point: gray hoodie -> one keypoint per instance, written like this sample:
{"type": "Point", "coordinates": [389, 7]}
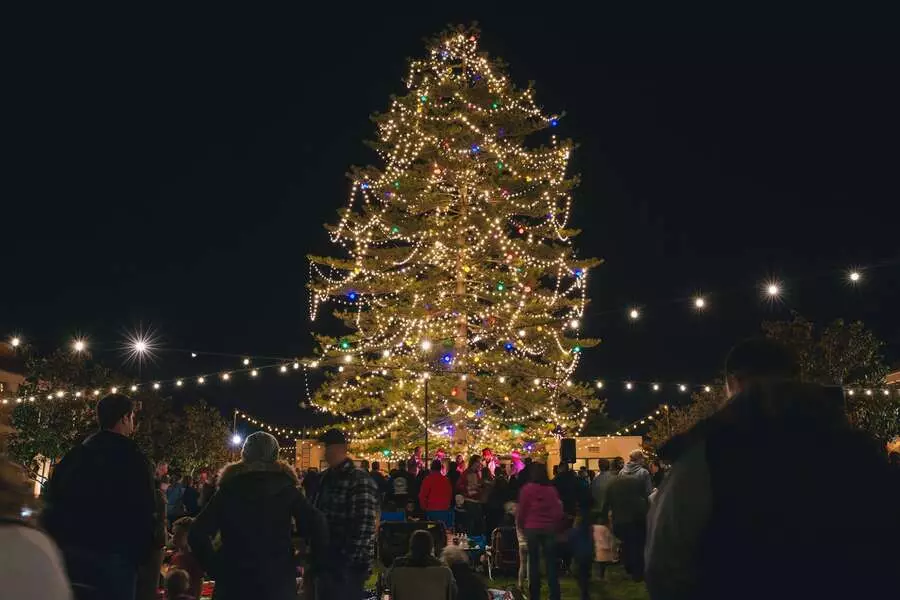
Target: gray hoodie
{"type": "Point", "coordinates": [636, 469]}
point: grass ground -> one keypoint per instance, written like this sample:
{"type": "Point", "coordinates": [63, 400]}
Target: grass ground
{"type": "Point", "coordinates": [616, 586]}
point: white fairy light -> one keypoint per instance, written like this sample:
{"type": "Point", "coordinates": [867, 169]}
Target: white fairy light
{"type": "Point", "coordinates": [634, 314]}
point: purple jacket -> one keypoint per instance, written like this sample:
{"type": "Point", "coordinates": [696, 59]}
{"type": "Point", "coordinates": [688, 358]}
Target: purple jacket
{"type": "Point", "coordinates": [539, 508]}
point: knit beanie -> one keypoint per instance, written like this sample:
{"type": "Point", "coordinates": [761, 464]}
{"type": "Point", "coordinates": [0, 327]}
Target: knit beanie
{"type": "Point", "coordinates": [260, 447]}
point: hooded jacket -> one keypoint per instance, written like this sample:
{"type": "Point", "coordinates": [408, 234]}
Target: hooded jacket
{"type": "Point", "coordinates": [730, 522]}
{"type": "Point", "coordinates": [639, 472]}
{"type": "Point", "coordinates": [252, 510]}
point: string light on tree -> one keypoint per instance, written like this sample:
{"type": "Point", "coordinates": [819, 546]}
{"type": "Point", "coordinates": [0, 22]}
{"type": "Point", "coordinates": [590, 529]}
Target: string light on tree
{"type": "Point", "coordinates": [458, 250]}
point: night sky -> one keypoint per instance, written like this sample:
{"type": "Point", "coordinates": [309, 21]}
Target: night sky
{"type": "Point", "coordinates": [175, 170]}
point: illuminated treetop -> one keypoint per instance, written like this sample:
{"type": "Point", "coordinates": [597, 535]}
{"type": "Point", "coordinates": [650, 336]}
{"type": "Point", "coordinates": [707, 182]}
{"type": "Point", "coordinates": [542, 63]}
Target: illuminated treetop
{"type": "Point", "coordinates": [458, 262]}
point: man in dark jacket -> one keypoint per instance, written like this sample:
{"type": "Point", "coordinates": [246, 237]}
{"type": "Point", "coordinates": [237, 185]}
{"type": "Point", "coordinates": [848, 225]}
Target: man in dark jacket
{"type": "Point", "coordinates": [402, 486]}
{"type": "Point", "coordinates": [723, 527]}
{"type": "Point", "coordinates": [252, 510]}
{"type": "Point", "coordinates": [105, 476]}
{"type": "Point", "coordinates": [626, 503]}
{"type": "Point", "coordinates": [349, 500]}
{"type": "Point", "coordinates": [566, 484]}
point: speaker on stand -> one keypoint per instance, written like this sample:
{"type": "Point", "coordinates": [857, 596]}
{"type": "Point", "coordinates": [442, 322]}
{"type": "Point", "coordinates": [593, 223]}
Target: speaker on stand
{"type": "Point", "coordinates": [567, 450]}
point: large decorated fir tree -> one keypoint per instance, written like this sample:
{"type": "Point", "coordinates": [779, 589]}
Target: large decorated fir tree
{"type": "Point", "coordinates": [459, 271]}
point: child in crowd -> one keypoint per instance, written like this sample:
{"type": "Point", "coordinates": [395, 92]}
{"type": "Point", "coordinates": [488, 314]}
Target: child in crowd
{"type": "Point", "coordinates": [178, 584]}
{"type": "Point", "coordinates": [604, 546]}
{"type": "Point", "coordinates": [184, 559]}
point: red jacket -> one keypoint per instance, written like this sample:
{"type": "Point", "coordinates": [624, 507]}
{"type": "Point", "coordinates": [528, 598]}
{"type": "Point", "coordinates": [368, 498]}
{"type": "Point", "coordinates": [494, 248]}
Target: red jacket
{"type": "Point", "coordinates": [435, 493]}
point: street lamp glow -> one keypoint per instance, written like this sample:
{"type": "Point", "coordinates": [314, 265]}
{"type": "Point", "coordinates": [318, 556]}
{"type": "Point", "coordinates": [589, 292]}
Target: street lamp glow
{"type": "Point", "coordinates": [236, 440]}
{"type": "Point", "coordinates": [79, 345]}
{"type": "Point", "coordinates": [773, 289]}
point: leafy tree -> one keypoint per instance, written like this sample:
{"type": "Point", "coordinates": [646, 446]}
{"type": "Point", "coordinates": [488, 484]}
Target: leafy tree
{"type": "Point", "coordinates": [458, 262]}
{"type": "Point", "coordinates": [157, 428]}
{"type": "Point", "coordinates": [200, 439]}
{"type": "Point", "coordinates": [846, 354]}
{"type": "Point", "coordinates": [675, 420]}
{"type": "Point", "coordinates": [57, 408]}
{"type": "Point", "coordinates": [841, 353]}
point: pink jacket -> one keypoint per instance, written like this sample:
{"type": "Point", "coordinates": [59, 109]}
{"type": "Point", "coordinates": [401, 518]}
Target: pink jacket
{"type": "Point", "coordinates": [539, 508]}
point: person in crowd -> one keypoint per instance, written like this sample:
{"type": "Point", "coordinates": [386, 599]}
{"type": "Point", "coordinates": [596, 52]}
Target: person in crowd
{"type": "Point", "coordinates": [405, 585]}
{"type": "Point", "coordinates": [418, 474]}
{"type": "Point", "coordinates": [191, 497]}
{"type": "Point", "coordinates": [618, 464]}
{"type": "Point", "coordinates": [473, 493]}
{"type": "Point", "coordinates": [566, 485]}
{"type": "Point", "coordinates": [161, 470]}
{"type": "Point", "coordinates": [626, 503]}
{"type": "Point", "coordinates": [381, 482]}
{"type": "Point", "coordinates": [488, 464]}
{"type": "Point", "coordinates": [435, 494]}
{"type": "Point", "coordinates": [540, 516]}
{"type": "Point", "coordinates": [516, 463]}
{"type": "Point", "coordinates": [207, 487]}
{"type": "Point", "coordinates": [713, 534]}
{"type": "Point", "coordinates": [183, 558]}
{"type": "Point", "coordinates": [148, 572]}
{"type": "Point", "coordinates": [601, 482]}
{"type": "Point", "coordinates": [178, 585]}
{"type": "Point", "coordinates": [364, 466]}
{"type": "Point", "coordinates": [635, 468]}
{"type": "Point", "coordinates": [105, 475]}
{"type": "Point", "coordinates": [175, 508]}
{"type": "Point", "coordinates": [455, 470]}
{"type": "Point", "coordinates": [657, 473]}
{"type": "Point", "coordinates": [419, 460]}
{"type": "Point", "coordinates": [30, 563]}
{"type": "Point", "coordinates": [349, 500]}
{"type": "Point", "coordinates": [251, 513]}
{"type": "Point", "coordinates": [581, 544]}
{"type": "Point", "coordinates": [468, 584]}
{"type": "Point", "coordinates": [402, 485]}
{"type": "Point", "coordinates": [311, 482]}
{"type": "Point", "coordinates": [497, 496]}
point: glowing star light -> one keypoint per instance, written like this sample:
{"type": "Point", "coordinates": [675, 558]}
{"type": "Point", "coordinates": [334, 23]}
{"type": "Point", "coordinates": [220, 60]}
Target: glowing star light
{"type": "Point", "coordinates": [79, 345]}
{"type": "Point", "coordinates": [772, 289]}
{"type": "Point", "coordinates": [699, 303]}
{"type": "Point", "coordinates": [634, 314]}
{"type": "Point", "coordinates": [15, 342]}
{"type": "Point", "coordinates": [854, 276]}
{"type": "Point", "coordinates": [236, 440]}
{"type": "Point", "coordinates": [140, 346]}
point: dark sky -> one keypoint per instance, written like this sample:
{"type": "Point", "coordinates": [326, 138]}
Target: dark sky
{"type": "Point", "coordinates": [175, 169]}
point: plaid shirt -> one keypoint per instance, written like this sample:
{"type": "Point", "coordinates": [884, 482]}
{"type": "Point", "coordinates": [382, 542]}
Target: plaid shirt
{"type": "Point", "coordinates": [348, 497]}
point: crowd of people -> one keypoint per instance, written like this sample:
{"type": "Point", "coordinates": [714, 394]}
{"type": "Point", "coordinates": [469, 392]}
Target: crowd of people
{"type": "Point", "coordinates": [732, 508]}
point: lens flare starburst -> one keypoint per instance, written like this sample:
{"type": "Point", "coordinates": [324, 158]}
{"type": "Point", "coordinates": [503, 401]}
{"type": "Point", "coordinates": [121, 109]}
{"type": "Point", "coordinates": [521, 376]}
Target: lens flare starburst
{"type": "Point", "coordinates": [141, 346]}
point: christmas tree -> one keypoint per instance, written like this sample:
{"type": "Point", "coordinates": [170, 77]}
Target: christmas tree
{"type": "Point", "coordinates": [459, 280]}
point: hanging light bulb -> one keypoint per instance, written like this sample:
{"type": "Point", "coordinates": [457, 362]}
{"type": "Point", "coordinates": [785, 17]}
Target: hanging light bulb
{"type": "Point", "coordinates": [634, 314]}
{"type": "Point", "coordinates": [15, 342]}
{"type": "Point", "coordinates": [699, 303]}
{"type": "Point", "coordinates": [655, 387]}
{"type": "Point", "coordinates": [854, 276]}
{"type": "Point", "coordinates": [682, 388]}
{"type": "Point", "coordinates": [629, 386]}
{"type": "Point", "coordinates": [254, 373]}
{"type": "Point", "coordinates": [599, 385]}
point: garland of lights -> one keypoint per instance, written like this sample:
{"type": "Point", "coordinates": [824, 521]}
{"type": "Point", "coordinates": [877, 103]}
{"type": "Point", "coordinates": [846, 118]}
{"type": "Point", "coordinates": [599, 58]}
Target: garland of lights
{"type": "Point", "coordinates": [459, 258]}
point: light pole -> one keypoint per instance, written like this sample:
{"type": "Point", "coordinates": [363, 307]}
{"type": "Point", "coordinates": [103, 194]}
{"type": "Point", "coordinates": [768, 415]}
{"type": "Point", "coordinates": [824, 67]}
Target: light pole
{"type": "Point", "coordinates": [426, 421]}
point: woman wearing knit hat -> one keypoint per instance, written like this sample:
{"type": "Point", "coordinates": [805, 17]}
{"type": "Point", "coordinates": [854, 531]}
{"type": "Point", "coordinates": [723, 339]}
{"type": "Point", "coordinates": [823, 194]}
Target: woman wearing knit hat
{"type": "Point", "coordinates": [252, 510]}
